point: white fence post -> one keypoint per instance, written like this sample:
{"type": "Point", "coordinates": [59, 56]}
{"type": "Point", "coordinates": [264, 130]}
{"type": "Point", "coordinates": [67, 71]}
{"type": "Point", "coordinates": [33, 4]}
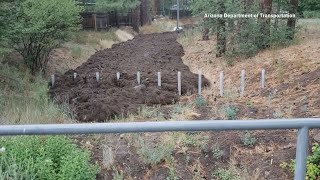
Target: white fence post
{"type": "Point", "coordinates": [97, 76]}
{"type": "Point", "coordinates": [52, 80]}
{"type": "Point", "coordinates": [118, 76]}
{"type": "Point", "coordinates": [199, 83]}
{"type": "Point", "coordinates": [159, 79]}
{"type": "Point", "coordinates": [179, 83]}
{"type": "Point", "coordinates": [74, 76]}
{"type": "Point", "coordinates": [139, 77]}
{"type": "Point", "coordinates": [242, 82]}
{"type": "Point", "coordinates": [263, 78]}
{"type": "Point", "coordinates": [221, 83]}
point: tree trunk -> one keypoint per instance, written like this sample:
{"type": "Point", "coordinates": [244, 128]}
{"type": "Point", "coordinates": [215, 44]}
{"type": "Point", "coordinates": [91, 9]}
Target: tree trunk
{"type": "Point", "coordinates": [205, 32]}
{"type": "Point", "coordinates": [291, 23]}
{"type": "Point", "coordinates": [136, 19]}
{"type": "Point", "coordinates": [221, 34]}
{"type": "Point", "coordinates": [264, 40]}
{"type": "Point", "coordinates": [144, 12]}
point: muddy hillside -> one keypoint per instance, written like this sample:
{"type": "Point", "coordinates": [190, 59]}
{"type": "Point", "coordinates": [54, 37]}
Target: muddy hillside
{"type": "Point", "coordinates": [101, 100]}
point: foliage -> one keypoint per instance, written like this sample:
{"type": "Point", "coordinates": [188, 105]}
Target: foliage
{"type": "Point", "coordinates": [116, 5]}
{"type": "Point", "coordinates": [26, 101]}
{"type": "Point", "coordinates": [172, 170]}
{"type": "Point", "coordinates": [154, 154]}
{"type": "Point", "coordinates": [217, 152]}
{"type": "Point", "coordinates": [230, 111]}
{"type": "Point", "coordinates": [248, 140]}
{"type": "Point", "coordinates": [309, 5]}
{"type": "Point", "coordinates": [311, 14]}
{"type": "Point", "coordinates": [39, 26]}
{"type": "Point", "coordinates": [245, 36]}
{"type": "Point", "coordinates": [313, 164]}
{"type": "Point", "coordinates": [225, 174]}
{"type": "Point", "coordinates": [200, 101]}
{"type": "Point", "coordinates": [50, 157]}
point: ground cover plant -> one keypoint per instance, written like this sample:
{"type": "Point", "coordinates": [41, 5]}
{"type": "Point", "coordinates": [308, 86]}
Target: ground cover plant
{"type": "Point", "coordinates": [46, 157]}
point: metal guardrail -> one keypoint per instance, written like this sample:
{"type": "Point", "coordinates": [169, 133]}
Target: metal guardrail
{"type": "Point", "coordinates": [303, 126]}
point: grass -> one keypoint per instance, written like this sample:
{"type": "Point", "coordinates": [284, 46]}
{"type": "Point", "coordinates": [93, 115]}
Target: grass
{"type": "Point", "coordinates": [93, 37]}
{"type": "Point", "coordinates": [24, 99]}
{"type": "Point", "coordinates": [154, 154]}
{"type": "Point", "coordinates": [46, 157]}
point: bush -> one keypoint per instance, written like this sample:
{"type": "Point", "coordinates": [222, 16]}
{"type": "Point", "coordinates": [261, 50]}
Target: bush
{"type": "Point", "coordinates": [230, 112]}
{"type": "Point", "coordinates": [311, 14]}
{"type": "Point", "coordinates": [313, 164]}
{"type": "Point", "coordinates": [49, 157]}
{"type": "Point", "coordinates": [217, 152]}
{"type": "Point", "coordinates": [154, 155]}
{"type": "Point", "coordinates": [248, 140]}
{"type": "Point", "coordinates": [38, 26]}
{"type": "Point", "coordinates": [24, 99]}
{"type": "Point", "coordinates": [200, 101]}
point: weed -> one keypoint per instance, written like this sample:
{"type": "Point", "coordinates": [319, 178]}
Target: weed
{"type": "Point", "coordinates": [76, 51]}
{"type": "Point", "coordinates": [200, 101]}
{"type": "Point", "coordinates": [117, 175]}
{"type": "Point", "coordinates": [230, 111]}
{"type": "Point", "coordinates": [248, 140]}
{"type": "Point", "coordinates": [172, 170]}
{"type": "Point", "coordinates": [224, 174]}
{"type": "Point", "coordinates": [25, 101]}
{"type": "Point", "coordinates": [46, 157]}
{"type": "Point", "coordinates": [313, 163]}
{"type": "Point", "coordinates": [154, 155]}
{"type": "Point", "coordinates": [217, 153]}
{"type": "Point", "coordinates": [277, 114]}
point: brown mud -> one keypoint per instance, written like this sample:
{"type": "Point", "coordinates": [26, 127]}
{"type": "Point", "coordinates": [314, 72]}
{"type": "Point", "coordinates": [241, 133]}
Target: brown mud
{"type": "Point", "coordinates": [109, 98]}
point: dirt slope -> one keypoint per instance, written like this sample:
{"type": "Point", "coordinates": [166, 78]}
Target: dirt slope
{"type": "Point", "coordinates": [98, 101]}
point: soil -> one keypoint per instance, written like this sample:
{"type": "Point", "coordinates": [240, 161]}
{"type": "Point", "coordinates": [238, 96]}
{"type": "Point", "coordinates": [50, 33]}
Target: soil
{"type": "Point", "coordinates": [108, 98]}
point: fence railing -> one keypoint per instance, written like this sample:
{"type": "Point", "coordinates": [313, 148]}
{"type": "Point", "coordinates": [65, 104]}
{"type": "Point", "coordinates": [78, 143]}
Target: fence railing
{"type": "Point", "coordinates": [303, 126]}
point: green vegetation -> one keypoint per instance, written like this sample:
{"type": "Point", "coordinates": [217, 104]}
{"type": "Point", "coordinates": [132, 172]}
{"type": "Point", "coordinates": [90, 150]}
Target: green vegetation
{"type": "Point", "coordinates": [225, 174]}
{"type": "Point", "coordinates": [248, 140]}
{"type": "Point", "coordinates": [313, 164]}
{"type": "Point", "coordinates": [217, 153]}
{"type": "Point", "coordinates": [46, 157]}
{"type": "Point", "coordinates": [37, 26]}
{"type": "Point", "coordinates": [245, 36]}
{"type": "Point", "coordinates": [230, 111]}
{"type": "Point", "coordinates": [118, 5]}
{"type": "Point", "coordinates": [200, 101]}
{"type": "Point", "coordinates": [154, 154]}
{"type": "Point", "coordinates": [24, 99]}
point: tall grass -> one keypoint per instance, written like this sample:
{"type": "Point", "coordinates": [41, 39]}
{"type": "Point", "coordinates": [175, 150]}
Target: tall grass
{"type": "Point", "coordinates": [24, 99]}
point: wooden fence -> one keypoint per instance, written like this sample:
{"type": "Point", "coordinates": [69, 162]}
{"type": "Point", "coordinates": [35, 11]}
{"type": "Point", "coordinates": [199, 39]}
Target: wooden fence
{"type": "Point", "coordinates": [104, 21]}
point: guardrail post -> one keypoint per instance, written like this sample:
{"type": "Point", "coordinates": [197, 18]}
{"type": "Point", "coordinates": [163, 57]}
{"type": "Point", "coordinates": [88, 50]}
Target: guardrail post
{"type": "Point", "coordinates": [301, 154]}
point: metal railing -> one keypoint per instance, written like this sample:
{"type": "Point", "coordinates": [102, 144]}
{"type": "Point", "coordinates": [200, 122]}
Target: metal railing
{"type": "Point", "coordinates": [303, 126]}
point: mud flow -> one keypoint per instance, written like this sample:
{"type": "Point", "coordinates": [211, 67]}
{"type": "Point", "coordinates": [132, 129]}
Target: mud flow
{"type": "Point", "coordinates": [107, 98]}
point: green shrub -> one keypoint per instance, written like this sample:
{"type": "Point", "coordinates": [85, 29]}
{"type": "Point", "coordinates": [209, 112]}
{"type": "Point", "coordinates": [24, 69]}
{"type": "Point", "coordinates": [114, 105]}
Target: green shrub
{"type": "Point", "coordinates": [200, 101]}
{"type": "Point", "coordinates": [313, 164]}
{"type": "Point", "coordinates": [224, 174]}
{"type": "Point", "coordinates": [49, 157]}
{"type": "Point", "coordinates": [230, 111]}
{"type": "Point", "coordinates": [248, 140]}
{"type": "Point", "coordinates": [24, 99]}
{"type": "Point", "coordinates": [311, 14]}
{"type": "Point", "coordinates": [154, 155]}
{"type": "Point", "coordinates": [217, 152]}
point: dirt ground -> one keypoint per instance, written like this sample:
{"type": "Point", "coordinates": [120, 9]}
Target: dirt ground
{"type": "Point", "coordinates": [148, 54]}
{"type": "Point", "coordinates": [292, 91]}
